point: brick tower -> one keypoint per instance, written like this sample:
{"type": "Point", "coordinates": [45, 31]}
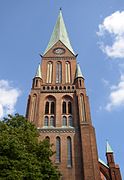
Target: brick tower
{"type": "Point", "coordinates": [58, 105]}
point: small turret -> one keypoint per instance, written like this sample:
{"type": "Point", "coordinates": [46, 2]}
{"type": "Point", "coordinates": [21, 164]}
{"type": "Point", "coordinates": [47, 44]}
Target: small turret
{"type": "Point", "coordinates": [114, 169]}
{"type": "Point", "coordinates": [79, 78]}
{"type": "Point", "coordinates": [109, 155]}
{"type": "Point", "coordinates": [37, 80]}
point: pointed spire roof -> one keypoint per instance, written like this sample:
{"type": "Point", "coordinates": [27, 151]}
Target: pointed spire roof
{"type": "Point", "coordinates": [38, 73]}
{"type": "Point", "coordinates": [59, 33]}
{"type": "Point", "coordinates": [78, 72]}
{"type": "Point", "coordinates": [108, 148]}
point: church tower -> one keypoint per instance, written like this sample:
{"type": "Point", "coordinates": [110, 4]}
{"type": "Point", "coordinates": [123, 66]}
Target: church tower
{"type": "Point", "coordinates": [58, 105]}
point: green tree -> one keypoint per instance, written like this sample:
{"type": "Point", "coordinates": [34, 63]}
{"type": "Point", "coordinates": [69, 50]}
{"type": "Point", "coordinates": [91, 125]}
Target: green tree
{"type": "Point", "coordinates": [22, 155]}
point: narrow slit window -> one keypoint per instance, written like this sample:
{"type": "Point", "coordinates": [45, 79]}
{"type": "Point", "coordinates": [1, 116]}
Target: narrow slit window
{"type": "Point", "coordinates": [58, 150]}
{"type": "Point", "coordinates": [33, 108]}
{"type": "Point", "coordinates": [49, 72]}
{"type": "Point", "coordinates": [83, 108]}
{"type": "Point", "coordinates": [68, 72]}
{"type": "Point", "coordinates": [69, 152]}
{"type": "Point", "coordinates": [58, 72]}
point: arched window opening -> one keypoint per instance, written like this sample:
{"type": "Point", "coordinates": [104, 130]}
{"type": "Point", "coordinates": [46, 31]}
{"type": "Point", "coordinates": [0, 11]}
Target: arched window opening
{"type": "Point", "coordinates": [49, 72]}
{"type": "Point", "coordinates": [47, 108]}
{"type": "Point", "coordinates": [69, 152]}
{"type": "Point", "coordinates": [83, 108]}
{"type": "Point", "coordinates": [64, 87]}
{"type": "Point", "coordinates": [36, 83]}
{"type": "Point", "coordinates": [80, 82]}
{"type": "Point", "coordinates": [46, 121]}
{"type": "Point", "coordinates": [52, 108]}
{"type": "Point", "coordinates": [70, 122]}
{"type": "Point", "coordinates": [64, 121]}
{"type": "Point", "coordinates": [47, 138]}
{"type": "Point", "coordinates": [64, 107]}
{"type": "Point", "coordinates": [58, 72]}
{"type": "Point", "coordinates": [52, 121]}
{"type": "Point", "coordinates": [58, 150]}
{"type": "Point", "coordinates": [69, 107]}
{"type": "Point", "coordinates": [68, 72]}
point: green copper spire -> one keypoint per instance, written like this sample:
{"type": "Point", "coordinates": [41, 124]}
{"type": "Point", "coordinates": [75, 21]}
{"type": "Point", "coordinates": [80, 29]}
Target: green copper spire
{"type": "Point", "coordinates": [59, 33]}
{"type": "Point", "coordinates": [108, 148]}
{"type": "Point", "coordinates": [38, 73]}
{"type": "Point", "coordinates": [78, 72]}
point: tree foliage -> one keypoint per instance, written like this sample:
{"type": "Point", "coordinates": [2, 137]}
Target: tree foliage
{"type": "Point", "coordinates": [22, 155]}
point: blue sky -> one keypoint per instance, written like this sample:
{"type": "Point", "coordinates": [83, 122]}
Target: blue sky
{"type": "Point", "coordinates": [96, 31]}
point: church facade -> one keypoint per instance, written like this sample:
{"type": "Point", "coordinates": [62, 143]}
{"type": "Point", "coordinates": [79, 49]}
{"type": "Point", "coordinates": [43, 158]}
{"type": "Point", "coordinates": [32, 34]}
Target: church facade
{"type": "Point", "coordinates": [59, 106]}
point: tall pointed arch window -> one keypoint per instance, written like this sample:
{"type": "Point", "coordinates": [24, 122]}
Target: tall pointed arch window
{"type": "Point", "coordinates": [64, 107]}
{"type": "Point", "coordinates": [52, 109]}
{"type": "Point", "coordinates": [68, 72]}
{"type": "Point", "coordinates": [69, 152]}
{"type": "Point", "coordinates": [58, 72]}
{"type": "Point", "coordinates": [49, 72]}
{"type": "Point", "coordinates": [83, 113]}
{"type": "Point", "coordinates": [47, 108]}
{"type": "Point", "coordinates": [69, 107]}
{"type": "Point", "coordinates": [58, 150]}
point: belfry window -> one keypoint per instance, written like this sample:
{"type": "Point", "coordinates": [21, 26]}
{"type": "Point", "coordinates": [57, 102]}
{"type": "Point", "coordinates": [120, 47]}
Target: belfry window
{"type": "Point", "coordinates": [46, 121]}
{"type": "Point", "coordinates": [58, 150]}
{"type": "Point", "coordinates": [64, 107]}
{"type": "Point", "coordinates": [52, 111]}
{"type": "Point", "coordinates": [68, 72]}
{"type": "Point", "coordinates": [50, 107]}
{"type": "Point", "coordinates": [64, 121]}
{"type": "Point", "coordinates": [52, 122]}
{"type": "Point", "coordinates": [69, 152]}
{"type": "Point", "coordinates": [70, 123]}
{"type": "Point", "coordinates": [69, 107]}
{"type": "Point", "coordinates": [47, 108]}
{"type": "Point", "coordinates": [49, 72]}
{"type": "Point", "coordinates": [58, 72]}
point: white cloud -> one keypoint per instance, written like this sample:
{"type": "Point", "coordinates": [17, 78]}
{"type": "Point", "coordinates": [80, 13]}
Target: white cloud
{"type": "Point", "coordinates": [114, 26]}
{"type": "Point", "coordinates": [116, 97]}
{"type": "Point", "coordinates": [8, 98]}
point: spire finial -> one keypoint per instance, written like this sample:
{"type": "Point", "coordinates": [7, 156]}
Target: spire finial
{"type": "Point", "coordinates": [38, 72]}
{"type": "Point", "coordinates": [78, 72]}
{"type": "Point", "coordinates": [60, 9]}
{"type": "Point", "coordinates": [108, 148]}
